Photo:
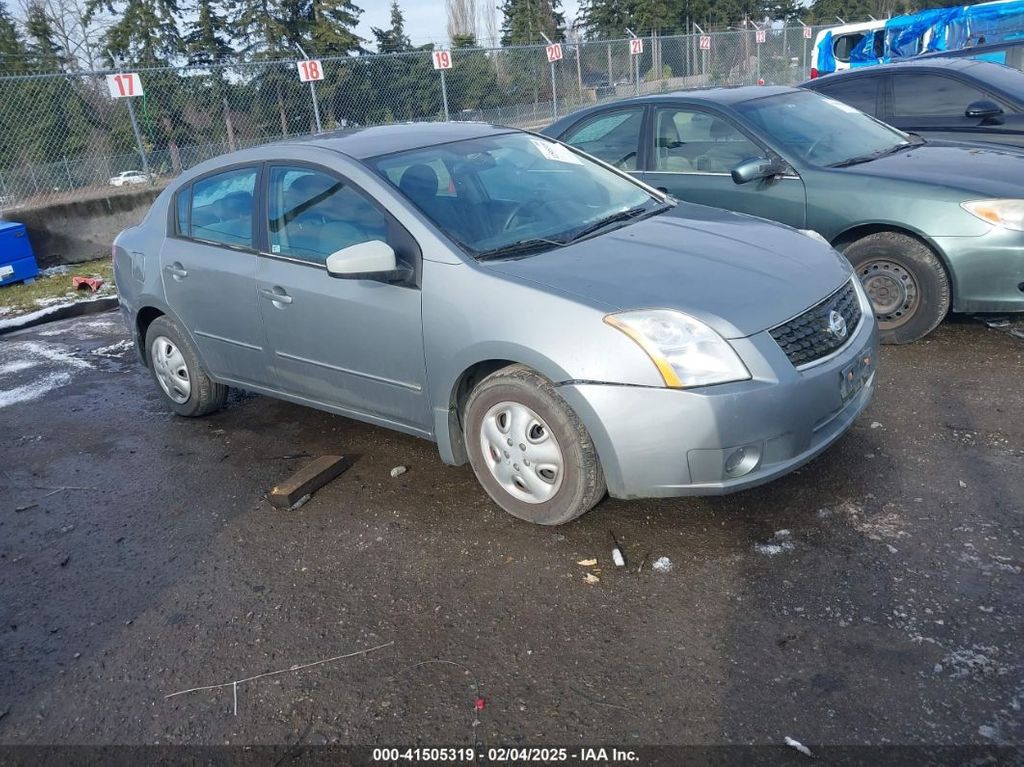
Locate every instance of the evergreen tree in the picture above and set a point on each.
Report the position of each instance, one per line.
(42, 44)
(329, 25)
(207, 38)
(393, 39)
(145, 31)
(526, 20)
(12, 46)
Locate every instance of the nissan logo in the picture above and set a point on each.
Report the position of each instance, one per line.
(836, 324)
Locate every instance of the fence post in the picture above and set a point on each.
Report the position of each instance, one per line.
(611, 79)
(67, 170)
(138, 139)
(444, 95)
(554, 94)
(579, 71)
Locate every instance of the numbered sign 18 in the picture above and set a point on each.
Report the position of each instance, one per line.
(760, 36)
(807, 33)
(310, 70)
(442, 59)
(636, 46)
(554, 52)
(705, 42)
(124, 85)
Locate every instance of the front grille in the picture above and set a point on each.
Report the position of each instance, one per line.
(809, 337)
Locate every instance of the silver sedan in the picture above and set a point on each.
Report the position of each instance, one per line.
(567, 330)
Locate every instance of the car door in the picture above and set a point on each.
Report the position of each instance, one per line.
(208, 267)
(355, 345)
(612, 136)
(691, 154)
(934, 105)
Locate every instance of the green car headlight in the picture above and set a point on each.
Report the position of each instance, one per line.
(1008, 214)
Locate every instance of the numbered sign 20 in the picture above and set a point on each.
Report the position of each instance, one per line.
(760, 36)
(554, 52)
(636, 46)
(807, 33)
(124, 85)
(442, 59)
(705, 42)
(310, 70)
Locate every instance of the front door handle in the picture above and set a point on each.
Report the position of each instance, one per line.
(273, 295)
(176, 270)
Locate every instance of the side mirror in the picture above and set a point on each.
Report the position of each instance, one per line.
(983, 109)
(753, 169)
(371, 260)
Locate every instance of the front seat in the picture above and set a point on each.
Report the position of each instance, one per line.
(668, 148)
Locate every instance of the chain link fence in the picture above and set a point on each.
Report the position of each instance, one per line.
(65, 136)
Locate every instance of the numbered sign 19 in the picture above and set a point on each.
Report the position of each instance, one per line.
(310, 70)
(124, 85)
(705, 42)
(636, 46)
(760, 36)
(807, 33)
(554, 52)
(442, 59)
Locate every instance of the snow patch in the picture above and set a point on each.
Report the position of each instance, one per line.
(16, 367)
(34, 390)
(662, 565)
(780, 542)
(114, 350)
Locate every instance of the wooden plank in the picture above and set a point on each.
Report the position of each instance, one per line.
(307, 480)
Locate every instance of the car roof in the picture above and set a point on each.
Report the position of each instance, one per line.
(726, 94)
(934, 64)
(362, 143)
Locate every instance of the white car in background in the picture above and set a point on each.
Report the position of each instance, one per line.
(130, 177)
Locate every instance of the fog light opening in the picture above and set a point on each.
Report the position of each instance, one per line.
(742, 460)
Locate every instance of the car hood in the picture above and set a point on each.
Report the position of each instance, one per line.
(976, 169)
(737, 273)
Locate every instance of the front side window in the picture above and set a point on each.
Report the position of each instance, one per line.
(859, 92)
(690, 141)
(512, 189)
(923, 95)
(221, 209)
(313, 214)
(612, 137)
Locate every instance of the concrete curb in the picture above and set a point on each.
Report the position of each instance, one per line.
(78, 309)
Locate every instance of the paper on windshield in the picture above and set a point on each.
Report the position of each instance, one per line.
(556, 152)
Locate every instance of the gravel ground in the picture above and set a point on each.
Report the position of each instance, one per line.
(874, 597)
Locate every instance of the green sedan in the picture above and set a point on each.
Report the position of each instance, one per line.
(928, 226)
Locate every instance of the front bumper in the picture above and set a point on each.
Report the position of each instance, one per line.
(669, 442)
(987, 271)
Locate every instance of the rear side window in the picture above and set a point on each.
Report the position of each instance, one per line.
(919, 95)
(613, 137)
(218, 208)
(859, 92)
(844, 44)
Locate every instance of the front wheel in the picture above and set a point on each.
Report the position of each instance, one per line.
(907, 284)
(529, 450)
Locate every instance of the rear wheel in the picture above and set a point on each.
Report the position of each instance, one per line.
(529, 450)
(907, 284)
(175, 367)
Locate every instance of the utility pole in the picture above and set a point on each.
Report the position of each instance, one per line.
(312, 95)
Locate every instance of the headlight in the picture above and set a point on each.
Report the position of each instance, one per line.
(686, 351)
(1008, 214)
(815, 236)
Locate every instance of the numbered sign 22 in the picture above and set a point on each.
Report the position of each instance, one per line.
(124, 85)
(760, 36)
(554, 52)
(310, 70)
(442, 59)
(807, 33)
(636, 46)
(705, 42)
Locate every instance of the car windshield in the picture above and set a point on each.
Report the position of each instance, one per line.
(821, 130)
(504, 194)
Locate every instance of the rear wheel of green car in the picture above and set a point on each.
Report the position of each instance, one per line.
(529, 450)
(907, 284)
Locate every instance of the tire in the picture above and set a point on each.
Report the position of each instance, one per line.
(174, 365)
(906, 282)
(516, 413)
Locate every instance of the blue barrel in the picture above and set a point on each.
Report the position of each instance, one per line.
(17, 261)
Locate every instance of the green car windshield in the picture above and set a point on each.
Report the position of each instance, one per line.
(820, 130)
(501, 194)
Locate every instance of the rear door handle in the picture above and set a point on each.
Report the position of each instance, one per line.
(176, 270)
(277, 298)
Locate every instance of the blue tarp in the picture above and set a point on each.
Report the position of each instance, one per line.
(922, 32)
(826, 57)
(863, 54)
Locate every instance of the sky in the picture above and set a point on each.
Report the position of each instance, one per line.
(425, 20)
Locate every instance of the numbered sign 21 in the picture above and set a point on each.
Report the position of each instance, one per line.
(636, 46)
(705, 42)
(760, 36)
(310, 70)
(124, 85)
(442, 59)
(807, 33)
(554, 52)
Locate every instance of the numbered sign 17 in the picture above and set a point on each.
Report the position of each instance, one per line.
(636, 46)
(124, 85)
(554, 52)
(442, 59)
(807, 33)
(760, 36)
(310, 70)
(705, 42)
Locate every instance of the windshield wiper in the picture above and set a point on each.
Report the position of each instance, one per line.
(519, 248)
(615, 218)
(875, 155)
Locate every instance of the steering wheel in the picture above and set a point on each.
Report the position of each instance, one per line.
(520, 210)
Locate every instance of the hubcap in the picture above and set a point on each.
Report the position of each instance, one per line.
(170, 369)
(892, 290)
(521, 452)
